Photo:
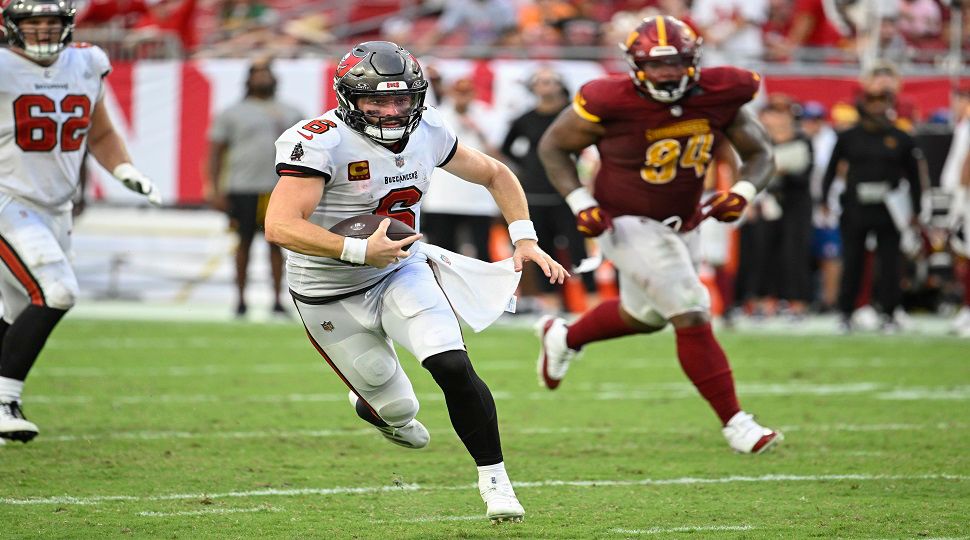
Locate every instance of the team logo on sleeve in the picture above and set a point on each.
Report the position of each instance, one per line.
(327, 326)
(358, 170)
(297, 153)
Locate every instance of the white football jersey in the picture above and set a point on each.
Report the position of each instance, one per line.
(362, 177)
(45, 113)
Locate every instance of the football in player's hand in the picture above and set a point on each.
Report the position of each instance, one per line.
(365, 225)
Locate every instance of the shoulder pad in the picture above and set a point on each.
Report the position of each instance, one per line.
(432, 116)
(95, 56)
(316, 132)
(320, 132)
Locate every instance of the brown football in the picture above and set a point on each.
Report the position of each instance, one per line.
(365, 225)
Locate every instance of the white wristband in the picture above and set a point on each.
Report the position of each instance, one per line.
(580, 199)
(745, 189)
(522, 229)
(355, 250)
(126, 171)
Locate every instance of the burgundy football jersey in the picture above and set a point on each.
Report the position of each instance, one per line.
(654, 155)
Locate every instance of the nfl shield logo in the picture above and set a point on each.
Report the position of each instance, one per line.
(327, 326)
(399, 161)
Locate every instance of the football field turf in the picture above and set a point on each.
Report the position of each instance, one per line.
(192, 430)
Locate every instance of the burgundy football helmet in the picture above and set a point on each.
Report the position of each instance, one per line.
(658, 41)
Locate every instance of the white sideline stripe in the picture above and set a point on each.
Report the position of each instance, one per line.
(687, 480)
(209, 511)
(698, 528)
(200, 370)
(327, 433)
(603, 393)
(279, 368)
(98, 499)
(430, 519)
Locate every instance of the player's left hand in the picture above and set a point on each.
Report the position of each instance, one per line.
(529, 250)
(724, 206)
(593, 221)
(134, 180)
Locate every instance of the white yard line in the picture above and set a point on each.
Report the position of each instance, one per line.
(210, 511)
(682, 481)
(663, 391)
(430, 519)
(146, 435)
(698, 528)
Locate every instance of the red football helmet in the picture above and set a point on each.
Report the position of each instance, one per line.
(663, 44)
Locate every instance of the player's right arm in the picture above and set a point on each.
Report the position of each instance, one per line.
(287, 225)
(571, 132)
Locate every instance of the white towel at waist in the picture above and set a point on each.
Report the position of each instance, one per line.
(479, 291)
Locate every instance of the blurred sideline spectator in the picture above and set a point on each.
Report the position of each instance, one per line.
(242, 170)
(810, 27)
(481, 22)
(554, 221)
(878, 156)
(826, 243)
(458, 215)
(146, 18)
(792, 232)
(883, 78)
(731, 29)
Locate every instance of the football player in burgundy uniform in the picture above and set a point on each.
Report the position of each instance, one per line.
(655, 137)
(51, 111)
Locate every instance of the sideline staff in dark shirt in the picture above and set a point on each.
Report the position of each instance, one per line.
(878, 156)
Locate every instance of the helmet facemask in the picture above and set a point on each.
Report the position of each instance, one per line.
(40, 44)
(663, 40)
(380, 69)
(666, 91)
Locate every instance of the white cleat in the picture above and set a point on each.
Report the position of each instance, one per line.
(554, 355)
(13, 425)
(411, 435)
(501, 505)
(746, 436)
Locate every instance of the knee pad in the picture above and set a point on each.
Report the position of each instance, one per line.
(375, 367)
(398, 412)
(61, 294)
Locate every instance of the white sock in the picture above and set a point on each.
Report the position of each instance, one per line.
(10, 389)
(486, 472)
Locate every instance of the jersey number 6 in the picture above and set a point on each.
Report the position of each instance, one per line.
(397, 202)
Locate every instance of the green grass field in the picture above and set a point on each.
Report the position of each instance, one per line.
(179, 430)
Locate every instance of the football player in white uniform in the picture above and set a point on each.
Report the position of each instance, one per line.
(374, 154)
(50, 112)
